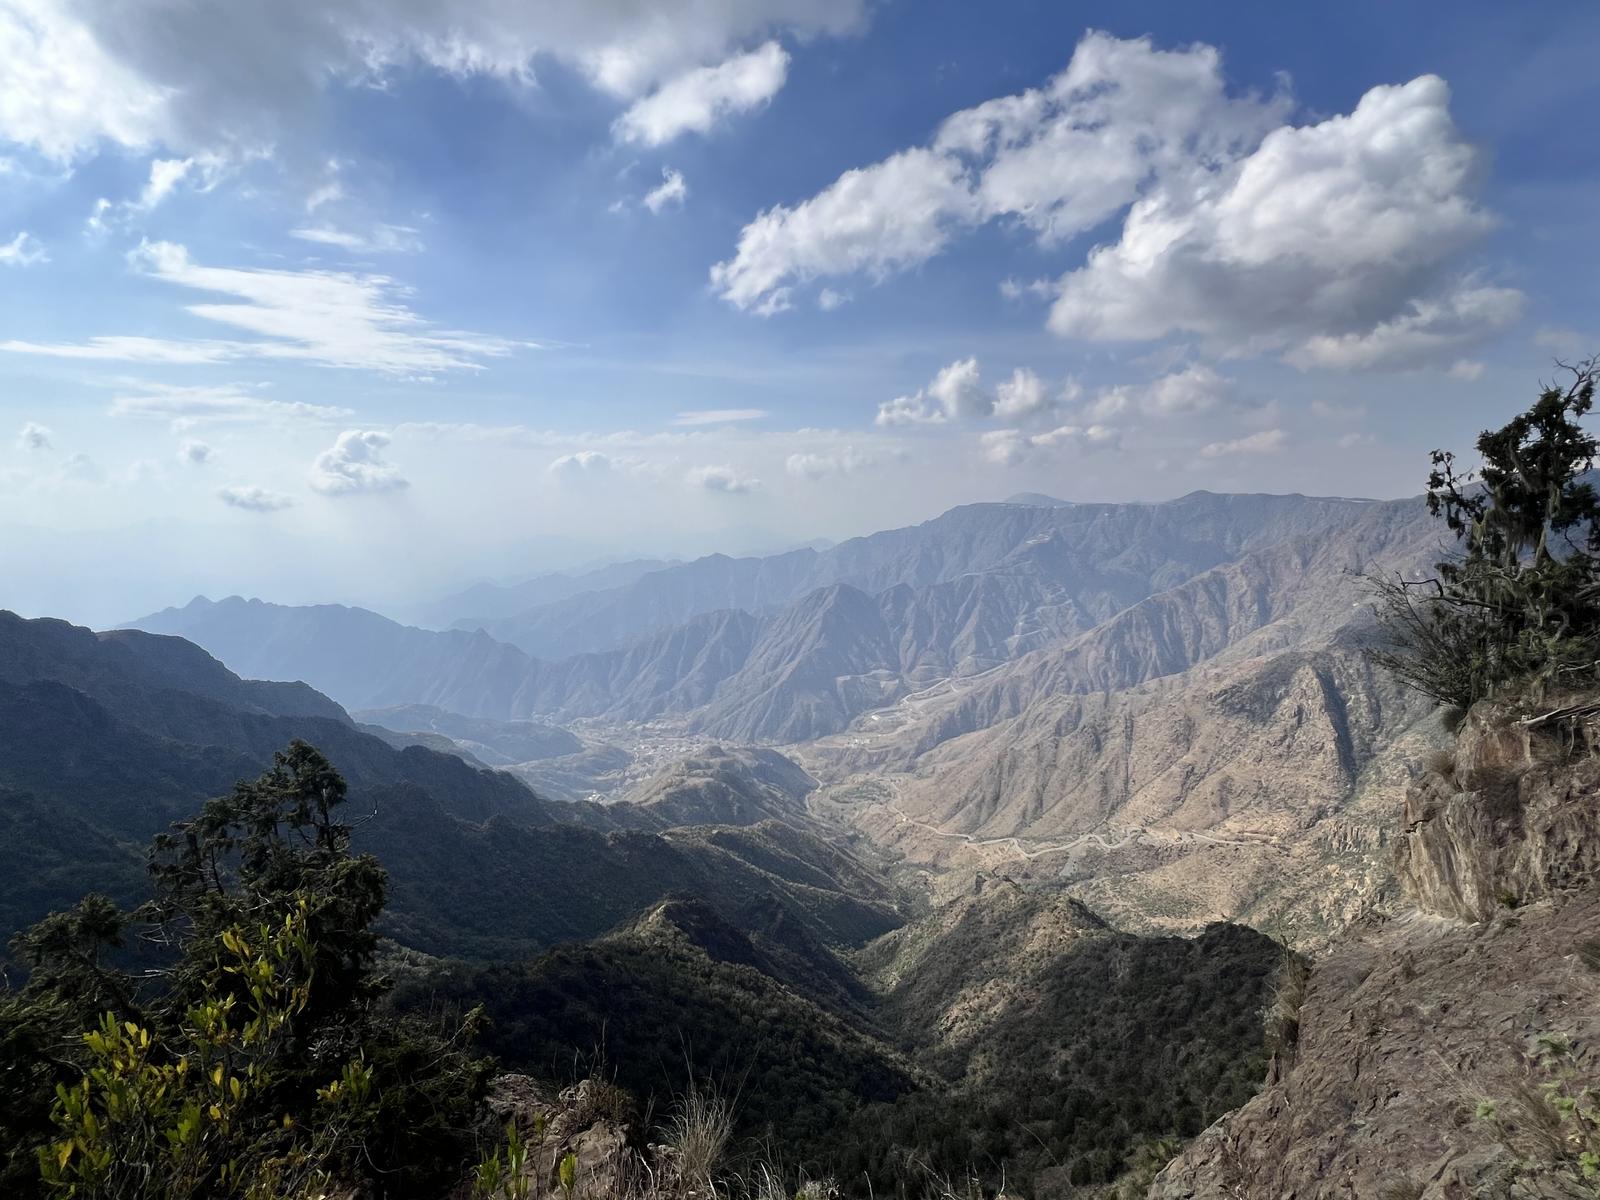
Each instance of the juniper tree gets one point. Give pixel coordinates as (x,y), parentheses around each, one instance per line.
(1519,603)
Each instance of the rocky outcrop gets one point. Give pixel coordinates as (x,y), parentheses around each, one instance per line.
(1435,1046)
(1410,1029)
(1504,821)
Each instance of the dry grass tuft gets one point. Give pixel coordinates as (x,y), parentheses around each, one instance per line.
(698,1135)
(1286,994)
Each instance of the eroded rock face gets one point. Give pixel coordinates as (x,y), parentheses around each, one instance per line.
(1408,1024)
(1512,819)
(1417,1075)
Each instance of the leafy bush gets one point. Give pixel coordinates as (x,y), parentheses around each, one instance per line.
(257,1060)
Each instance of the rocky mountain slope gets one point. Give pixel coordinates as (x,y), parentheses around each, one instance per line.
(1438,1049)
(797,646)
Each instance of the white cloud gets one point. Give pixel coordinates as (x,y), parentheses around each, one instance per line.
(354,464)
(719,416)
(1008,447)
(956,394)
(1322,238)
(383,239)
(1267,441)
(846,460)
(189,406)
(24,250)
(593,464)
(33,436)
(671,190)
(698,99)
(1059,159)
(828,300)
(195,453)
(721,479)
(332,318)
(877,220)
(1255,235)
(1194,389)
(254,499)
(1466,369)
(1024,397)
(195,77)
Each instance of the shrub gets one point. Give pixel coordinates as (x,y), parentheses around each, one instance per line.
(1520,603)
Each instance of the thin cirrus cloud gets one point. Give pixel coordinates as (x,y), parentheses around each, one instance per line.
(189,406)
(331,318)
(1267,441)
(85,76)
(697,100)
(355,464)
(1334,244)
(382,239)
(719,416)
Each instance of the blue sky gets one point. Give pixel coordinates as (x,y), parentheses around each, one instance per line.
(362,301)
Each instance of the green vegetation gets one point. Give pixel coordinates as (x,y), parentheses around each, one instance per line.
(1520,605)
(254,1060)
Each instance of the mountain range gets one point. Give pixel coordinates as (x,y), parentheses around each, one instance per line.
(1102,693)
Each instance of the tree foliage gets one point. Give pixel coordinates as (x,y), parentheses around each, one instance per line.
(256,1059)
(1519,603)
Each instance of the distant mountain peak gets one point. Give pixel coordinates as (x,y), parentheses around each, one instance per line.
(1038,500)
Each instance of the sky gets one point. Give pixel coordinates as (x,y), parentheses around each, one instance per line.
(366,300)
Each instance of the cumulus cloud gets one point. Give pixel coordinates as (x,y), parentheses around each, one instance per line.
(195,453)
(1060,159)
(1267,441)
(957,393)
(592,464)
(33,436)
(719,416)
(698,99)
(845,460)
(24,250)
(202,77)
(1252,233)
(672,190)
(254,499)
(355,464)
(721,479)
(1009,447)
(1327,240)
(331,318)
(876,220)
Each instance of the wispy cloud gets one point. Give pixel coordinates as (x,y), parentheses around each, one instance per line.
(187,406)
(331,318)
(719,416)
(24,250)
